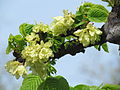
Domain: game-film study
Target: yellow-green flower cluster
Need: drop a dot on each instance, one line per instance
(45, 51)
(35, 56)
(35, 52)
(41, 27)
(89, 35)
(61, 24)
(31, 52)
(33, 37)
(16, 68)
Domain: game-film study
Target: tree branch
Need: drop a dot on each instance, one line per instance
(77, 47)
(111, 33)
(112, 26)
(109, 28)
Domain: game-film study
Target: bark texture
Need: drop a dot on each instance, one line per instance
(112, 26)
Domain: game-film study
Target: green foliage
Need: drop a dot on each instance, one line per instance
(104, 47)
(97, 47)
(25, 29)
(111, 87)
(16, 43)
(9, 48)
(54, 83)
(100, 7)
(71, 88)
(57, 42)
(97, 15)
(31, 82)
(51, 69)
(79, 24)
(102, 87)
(81, 87)
(90, 12)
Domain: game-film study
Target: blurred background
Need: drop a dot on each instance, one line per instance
(92, 68)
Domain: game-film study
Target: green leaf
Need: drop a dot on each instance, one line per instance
(88, 4)
(79, 24)
(97, 47)
(94, 88)
(57, 41)
(19, 42)
(8, 49)
(100, 7)
(10, 41)
(68, 38)
(71, 88)
(18, 38)
(11, 38)
(79, 18)
(31, 82)
(15, 43)
(111, 87)
(105, 47)
(25, 29)
(51, 70)
(97, 15)
(81, 87)
(78, 13)
(54, 83)
(85, 87)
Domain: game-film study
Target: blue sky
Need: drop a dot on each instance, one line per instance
(91, 68)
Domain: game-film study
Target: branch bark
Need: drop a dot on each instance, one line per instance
(112, 26)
